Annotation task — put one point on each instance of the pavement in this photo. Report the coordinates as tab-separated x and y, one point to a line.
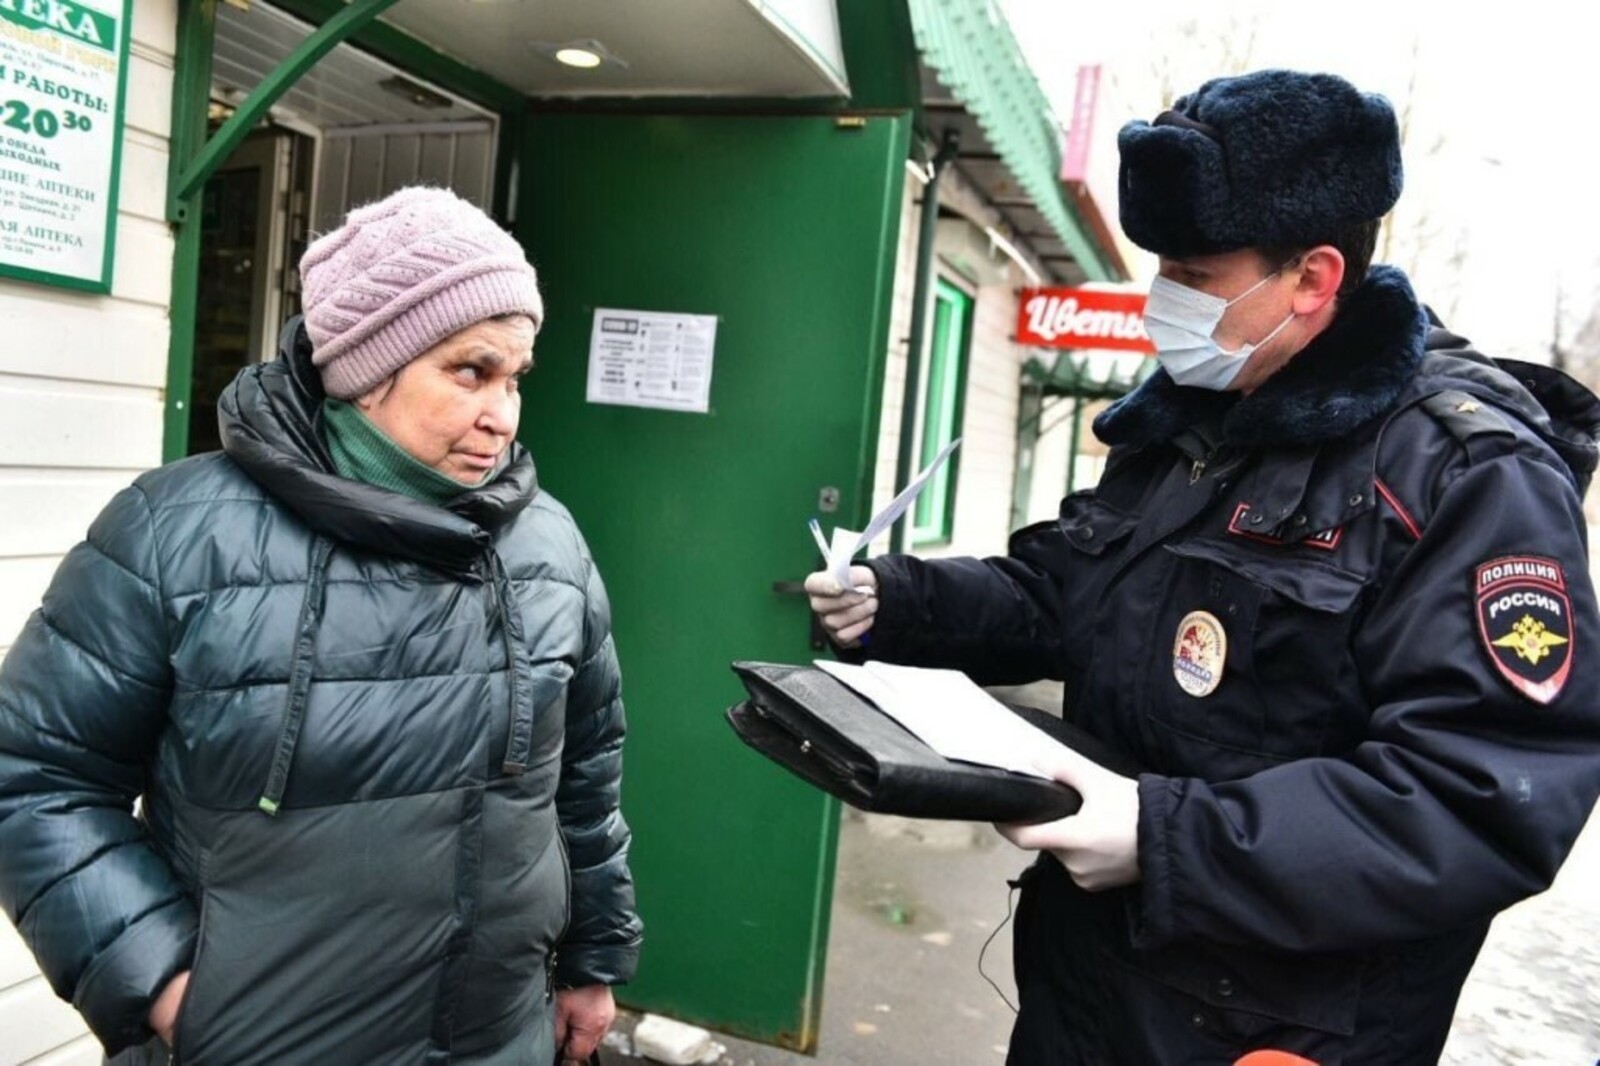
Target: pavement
1534	996
914	902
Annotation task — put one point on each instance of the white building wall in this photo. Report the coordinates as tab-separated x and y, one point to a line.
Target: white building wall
894	373
81	390
989	422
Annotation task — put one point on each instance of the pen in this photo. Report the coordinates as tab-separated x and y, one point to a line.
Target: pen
822	542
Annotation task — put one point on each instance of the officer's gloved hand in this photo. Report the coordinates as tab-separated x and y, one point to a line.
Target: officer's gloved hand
846	614
1099	845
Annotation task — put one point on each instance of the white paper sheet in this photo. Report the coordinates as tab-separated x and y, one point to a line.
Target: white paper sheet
846	544
949	713
651	359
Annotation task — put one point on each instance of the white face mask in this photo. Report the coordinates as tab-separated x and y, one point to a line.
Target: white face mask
1181	321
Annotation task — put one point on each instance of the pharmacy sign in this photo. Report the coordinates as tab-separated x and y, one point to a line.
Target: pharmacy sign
63	77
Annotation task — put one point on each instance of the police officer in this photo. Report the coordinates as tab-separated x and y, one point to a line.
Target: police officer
1331	595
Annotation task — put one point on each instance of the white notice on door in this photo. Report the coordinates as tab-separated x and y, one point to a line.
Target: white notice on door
651	359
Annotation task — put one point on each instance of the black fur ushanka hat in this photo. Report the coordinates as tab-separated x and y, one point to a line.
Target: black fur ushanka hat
1273	158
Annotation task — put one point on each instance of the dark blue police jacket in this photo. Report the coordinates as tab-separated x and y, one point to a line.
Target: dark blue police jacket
1346	626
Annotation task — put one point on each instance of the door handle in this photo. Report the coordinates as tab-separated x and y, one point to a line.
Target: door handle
818	635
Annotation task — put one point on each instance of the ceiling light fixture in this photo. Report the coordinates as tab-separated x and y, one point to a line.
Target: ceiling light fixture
577	57
585	54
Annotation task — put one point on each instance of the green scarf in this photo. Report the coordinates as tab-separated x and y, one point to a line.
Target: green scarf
363	452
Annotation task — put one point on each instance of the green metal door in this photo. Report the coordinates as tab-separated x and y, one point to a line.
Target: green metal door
784	228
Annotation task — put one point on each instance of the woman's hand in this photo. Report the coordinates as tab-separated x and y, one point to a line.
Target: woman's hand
582	1017
164	1011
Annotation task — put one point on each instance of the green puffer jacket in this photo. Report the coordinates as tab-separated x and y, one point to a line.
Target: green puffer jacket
379	745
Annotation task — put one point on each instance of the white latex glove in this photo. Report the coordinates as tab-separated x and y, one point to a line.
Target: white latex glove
846	615
1099	845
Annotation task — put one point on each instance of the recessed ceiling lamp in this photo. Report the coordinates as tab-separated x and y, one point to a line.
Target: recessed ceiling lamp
586	54
577	57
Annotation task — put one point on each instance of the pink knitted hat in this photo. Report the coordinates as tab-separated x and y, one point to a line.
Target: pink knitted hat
400	276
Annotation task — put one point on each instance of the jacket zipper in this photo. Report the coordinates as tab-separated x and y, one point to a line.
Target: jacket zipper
515	761
511	663
1198	465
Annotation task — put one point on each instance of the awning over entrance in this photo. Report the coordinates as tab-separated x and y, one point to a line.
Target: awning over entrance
1089	375
345	89
977	83
698	48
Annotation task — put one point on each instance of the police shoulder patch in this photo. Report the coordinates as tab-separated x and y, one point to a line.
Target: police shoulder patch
1525	620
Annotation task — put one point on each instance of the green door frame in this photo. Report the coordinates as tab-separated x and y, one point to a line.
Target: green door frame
188	184
194	158
949	362
191	101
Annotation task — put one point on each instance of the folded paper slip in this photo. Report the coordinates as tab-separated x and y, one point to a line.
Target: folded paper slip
823	732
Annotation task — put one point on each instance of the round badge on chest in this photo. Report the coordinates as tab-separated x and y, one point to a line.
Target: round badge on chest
1198	653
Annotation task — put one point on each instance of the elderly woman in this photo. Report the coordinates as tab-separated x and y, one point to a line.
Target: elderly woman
359	671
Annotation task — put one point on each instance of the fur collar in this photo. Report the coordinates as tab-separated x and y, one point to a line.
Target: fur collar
1350	374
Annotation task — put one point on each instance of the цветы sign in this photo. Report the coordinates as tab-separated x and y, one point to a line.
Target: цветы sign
1082	318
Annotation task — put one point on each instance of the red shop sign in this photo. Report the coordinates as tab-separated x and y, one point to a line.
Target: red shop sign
1082	318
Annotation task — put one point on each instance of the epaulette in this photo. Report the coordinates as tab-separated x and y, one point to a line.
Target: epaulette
1466	416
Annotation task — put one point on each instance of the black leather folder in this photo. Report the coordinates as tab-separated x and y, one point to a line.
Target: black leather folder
822	731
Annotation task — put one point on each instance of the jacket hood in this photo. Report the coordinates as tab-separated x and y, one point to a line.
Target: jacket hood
271	423
1563	413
